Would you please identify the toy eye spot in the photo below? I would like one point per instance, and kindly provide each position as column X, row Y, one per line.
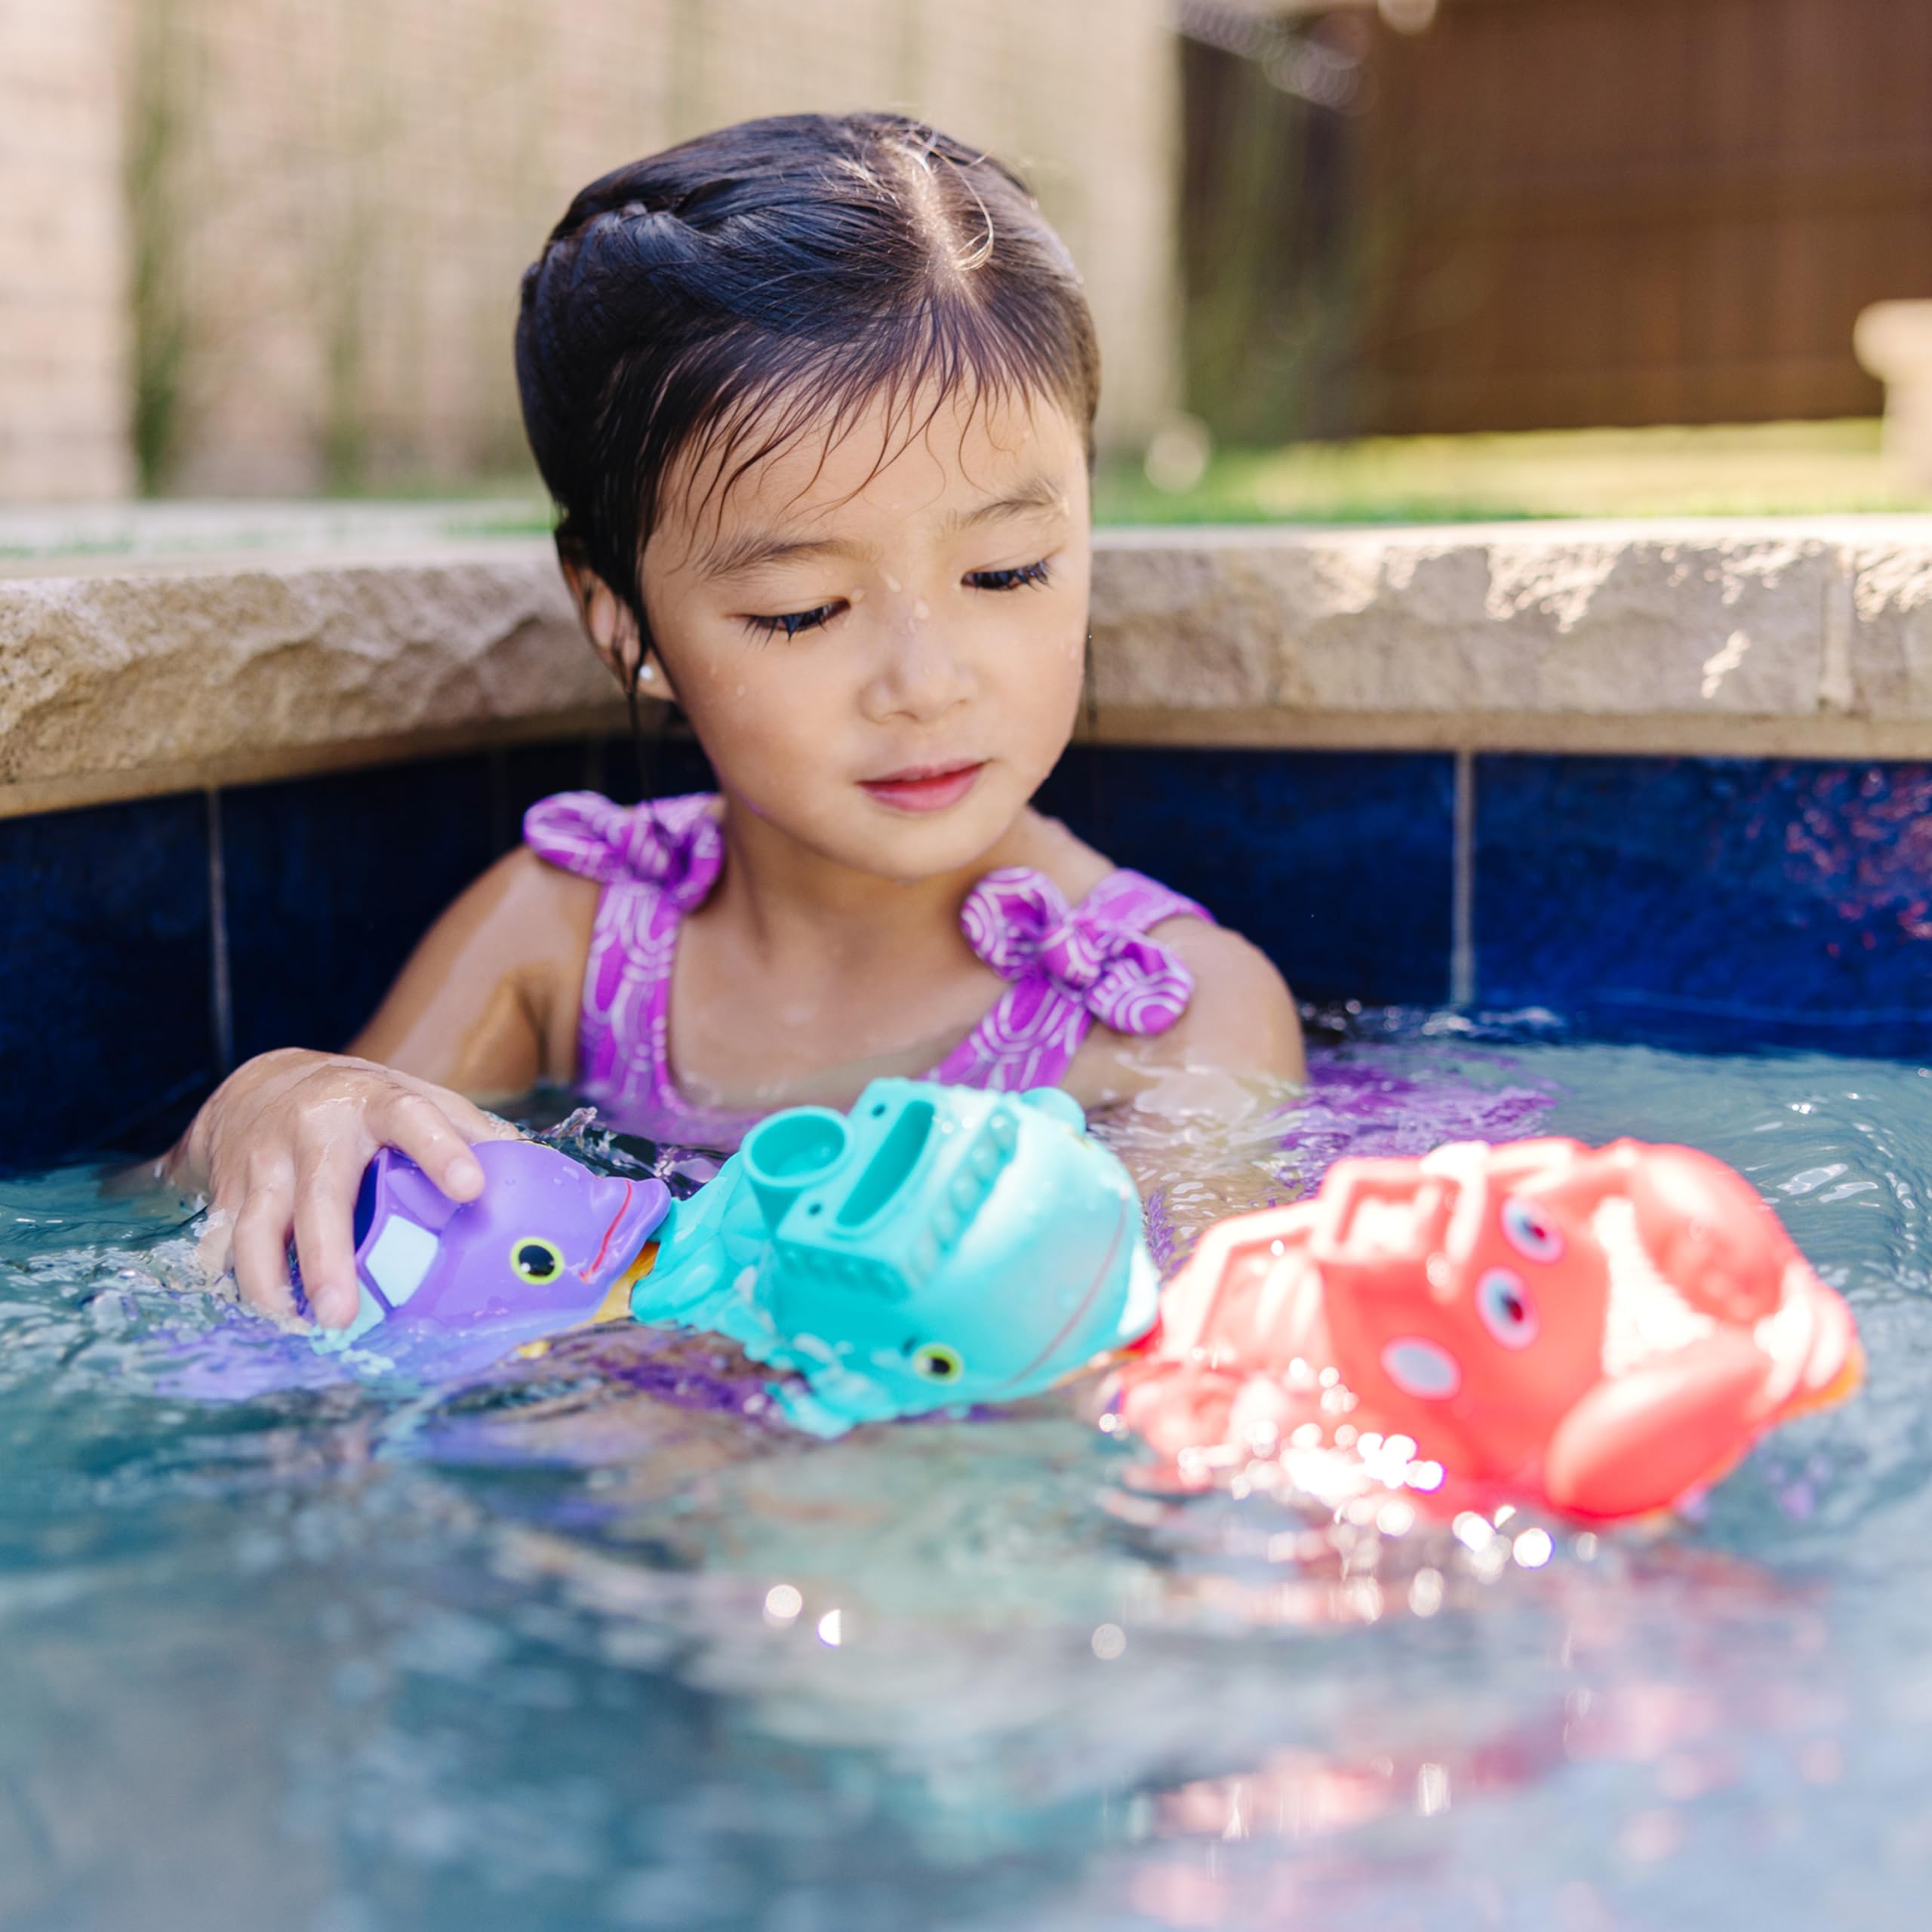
column 1507, row 1310
column 1419, row 1367
column 536, row 1260
column 1530, row 1231
column 937, row 1363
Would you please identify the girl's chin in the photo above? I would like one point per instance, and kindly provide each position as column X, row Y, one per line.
column 917, row 847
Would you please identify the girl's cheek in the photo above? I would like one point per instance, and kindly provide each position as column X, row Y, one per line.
column 770, row 722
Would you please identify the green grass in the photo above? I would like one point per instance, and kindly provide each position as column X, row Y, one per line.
column 1775, row 469
column 1809, row 468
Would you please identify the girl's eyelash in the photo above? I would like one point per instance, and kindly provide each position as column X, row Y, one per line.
column 1009, row 579
column 791, row 623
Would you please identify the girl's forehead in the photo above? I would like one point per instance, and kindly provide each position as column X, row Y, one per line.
column 892, row 462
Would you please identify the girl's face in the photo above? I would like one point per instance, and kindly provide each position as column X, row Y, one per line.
column 879, row 642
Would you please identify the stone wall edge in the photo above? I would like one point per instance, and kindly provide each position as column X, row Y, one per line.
column 1776, row 637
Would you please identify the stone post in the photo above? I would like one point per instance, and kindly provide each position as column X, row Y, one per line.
column 1894, row 340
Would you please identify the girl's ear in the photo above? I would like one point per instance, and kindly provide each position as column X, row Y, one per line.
column 611, row 626
column 607, row 621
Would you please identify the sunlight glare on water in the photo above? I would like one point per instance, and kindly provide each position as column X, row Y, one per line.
column 593, row 1647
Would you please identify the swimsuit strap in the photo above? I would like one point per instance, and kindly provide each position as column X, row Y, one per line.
column 656, row 862
column 1070, row 965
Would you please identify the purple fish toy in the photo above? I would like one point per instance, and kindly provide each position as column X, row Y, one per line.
column 449, row 1288
column 459, row 1285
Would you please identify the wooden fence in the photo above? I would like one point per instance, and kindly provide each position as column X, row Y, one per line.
column 1628, row 211
column 1556, row 213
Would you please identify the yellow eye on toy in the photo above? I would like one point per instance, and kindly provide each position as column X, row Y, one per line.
column 536, row 1260
column 937, row 1363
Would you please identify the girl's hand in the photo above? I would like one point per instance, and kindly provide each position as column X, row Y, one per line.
column 279, row 1148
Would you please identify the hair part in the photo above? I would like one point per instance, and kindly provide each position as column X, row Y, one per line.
column 703, row 309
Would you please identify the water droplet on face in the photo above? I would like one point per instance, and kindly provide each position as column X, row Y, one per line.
column 892, row 583
column 921, row 610
column 738, row 691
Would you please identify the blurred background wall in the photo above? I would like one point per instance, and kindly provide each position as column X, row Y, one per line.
column 64, row 319
column 272, row 246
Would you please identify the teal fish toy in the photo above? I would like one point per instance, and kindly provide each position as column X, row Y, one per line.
column 936, row 1248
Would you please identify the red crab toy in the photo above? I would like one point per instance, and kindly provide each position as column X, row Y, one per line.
column 1600, row 1331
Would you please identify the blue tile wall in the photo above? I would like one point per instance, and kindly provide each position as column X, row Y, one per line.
column 1717, row 902
column 331, row 881
column 1706, row 901
column 1339, row 865
column 106, row 1031
column 673, row 764
column 520, row 774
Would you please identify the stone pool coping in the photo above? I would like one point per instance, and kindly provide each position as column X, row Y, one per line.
column 168, row 662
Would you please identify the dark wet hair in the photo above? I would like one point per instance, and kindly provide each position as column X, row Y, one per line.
column 719, row 300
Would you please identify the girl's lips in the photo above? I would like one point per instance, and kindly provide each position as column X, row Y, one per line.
column 925, row 790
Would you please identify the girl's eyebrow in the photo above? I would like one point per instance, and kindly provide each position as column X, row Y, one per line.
column 1036, row 493
column 757, row 548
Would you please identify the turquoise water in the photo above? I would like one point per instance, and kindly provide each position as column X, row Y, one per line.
column 558, row 1653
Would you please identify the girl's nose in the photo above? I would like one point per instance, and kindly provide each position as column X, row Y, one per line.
column 919, row 675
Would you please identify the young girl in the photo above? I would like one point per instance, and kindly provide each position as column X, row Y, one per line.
column 815, row 396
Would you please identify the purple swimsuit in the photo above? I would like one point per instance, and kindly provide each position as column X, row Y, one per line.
column 1068, row 966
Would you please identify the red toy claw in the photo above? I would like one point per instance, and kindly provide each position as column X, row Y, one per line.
column 1598, row 1331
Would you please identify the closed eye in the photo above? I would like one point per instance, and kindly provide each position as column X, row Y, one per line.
column 1009, row 580
column 791, row 623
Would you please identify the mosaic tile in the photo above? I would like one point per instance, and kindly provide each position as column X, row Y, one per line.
column 331, row 881
column 520, row 774
column 1713, row 901
column 673, row 763
column 1339, row 865
column 107, row 1030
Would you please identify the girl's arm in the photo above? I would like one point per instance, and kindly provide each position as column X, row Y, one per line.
column 487, row 1004
column 1195, row 1112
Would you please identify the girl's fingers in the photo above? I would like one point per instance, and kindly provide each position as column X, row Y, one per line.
column 214, row 1247
column 470, row 1120
column 261, row 1248
column 325, row 1237
column 416, row 1125
column 474, row 1125
column 310, row 1183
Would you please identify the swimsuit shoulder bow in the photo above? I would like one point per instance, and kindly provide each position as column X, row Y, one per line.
column 674, row 844
column 1095, row 954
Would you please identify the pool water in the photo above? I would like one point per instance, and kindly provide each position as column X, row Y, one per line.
column 592, row 1648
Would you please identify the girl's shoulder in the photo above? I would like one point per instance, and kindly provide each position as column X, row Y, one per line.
column 1045, row 846
column 487, row 1002
column 1239, row 1020
column 1239, row 1013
